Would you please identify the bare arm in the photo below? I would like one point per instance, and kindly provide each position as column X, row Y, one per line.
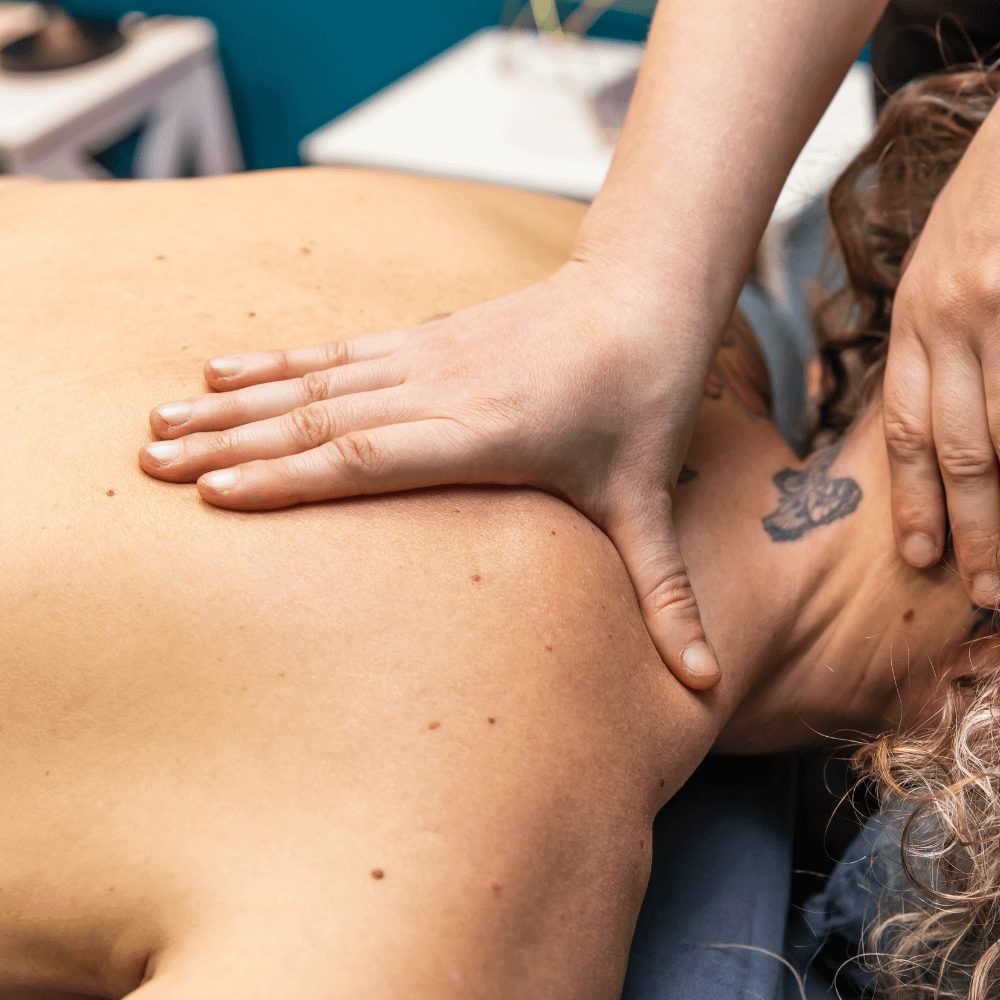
column 586, row 384
column 729, row 92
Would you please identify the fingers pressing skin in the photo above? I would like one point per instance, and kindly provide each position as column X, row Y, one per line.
column 240, row 370
column 968, row 463
column 451, row 407
column 918, row 510
column 222, row 410
column 384, row 459
column 302, row 429
column 646, row 541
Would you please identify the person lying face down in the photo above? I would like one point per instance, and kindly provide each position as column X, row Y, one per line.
column 404, row 745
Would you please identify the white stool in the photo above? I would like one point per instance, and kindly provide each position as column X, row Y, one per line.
column 166, row 79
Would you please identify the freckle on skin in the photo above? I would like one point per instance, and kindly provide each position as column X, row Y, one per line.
column 496, row 887
column 109, row 493
column 433, row 725
column 475, row 578
column 662, row 783
column 305, row 251
column 551, row 532
column 161, row 256
column 908, row 615
column 377, row 873
column 548, row 649
column 282, row 674
column 642, row 845
column 251, row 315
column 491, row 720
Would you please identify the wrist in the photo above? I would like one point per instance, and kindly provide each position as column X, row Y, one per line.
column 641, row 296
column 658, row 267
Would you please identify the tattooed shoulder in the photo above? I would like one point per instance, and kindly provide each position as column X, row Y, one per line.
column 810, row 497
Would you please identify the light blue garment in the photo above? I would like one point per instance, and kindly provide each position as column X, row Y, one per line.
column 722, row 863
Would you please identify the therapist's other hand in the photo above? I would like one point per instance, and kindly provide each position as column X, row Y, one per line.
column 572, row 386
column 942, row 383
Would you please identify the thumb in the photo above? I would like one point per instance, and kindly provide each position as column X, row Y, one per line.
column 647, row 542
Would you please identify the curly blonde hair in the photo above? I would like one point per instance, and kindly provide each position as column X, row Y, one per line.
column 937, row 936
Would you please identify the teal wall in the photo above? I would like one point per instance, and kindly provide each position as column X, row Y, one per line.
column 293, row 65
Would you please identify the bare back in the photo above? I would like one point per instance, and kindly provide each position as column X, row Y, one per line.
column 194, row 700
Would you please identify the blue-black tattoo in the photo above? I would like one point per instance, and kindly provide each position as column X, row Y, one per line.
column 809, row 498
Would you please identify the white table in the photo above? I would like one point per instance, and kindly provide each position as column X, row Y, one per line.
column 166, row 78
column 514, row 108
column 504, row 107
column 841, row 133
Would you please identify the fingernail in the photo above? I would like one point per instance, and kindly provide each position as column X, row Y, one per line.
column 226, row 367
column 986, row 587
column 163, row 451
column 920, row 550
column 700, row 660
column 174, row 413
column 221, row 481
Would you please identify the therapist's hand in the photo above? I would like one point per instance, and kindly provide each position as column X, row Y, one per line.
column 942, row 384
column 574, row 385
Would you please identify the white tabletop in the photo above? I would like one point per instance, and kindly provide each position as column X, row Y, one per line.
column 32, row 106
column 501, row 107
column 514, row 108
column 839, row 136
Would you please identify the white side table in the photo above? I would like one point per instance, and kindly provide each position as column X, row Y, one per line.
column 503, row 107
column 166, row 78
column 514, row 108
column 846, row 125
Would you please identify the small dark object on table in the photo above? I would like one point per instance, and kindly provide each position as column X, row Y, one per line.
column 62, row 43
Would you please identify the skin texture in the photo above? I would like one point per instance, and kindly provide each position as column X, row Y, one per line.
column 942, row 397
column 576, row 384
column 508, row 392
column 396, row 745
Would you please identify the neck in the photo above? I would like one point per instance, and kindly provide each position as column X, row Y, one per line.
column 821, row 630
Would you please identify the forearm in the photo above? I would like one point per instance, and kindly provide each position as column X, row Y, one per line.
column 727, row 96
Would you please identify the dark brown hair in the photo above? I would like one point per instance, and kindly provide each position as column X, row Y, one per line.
column 878, row 208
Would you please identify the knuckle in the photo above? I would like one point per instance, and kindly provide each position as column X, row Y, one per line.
column 311, row 425
column 356, row 454
column 982, row 285
column 220, row 442
column 963, row 462
column 913, row 513
column 337, row 352
column 975, row 548
column 906, row 437
column 229, row 405
column 672, row 593
column 280, row 361
column 315, row 386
